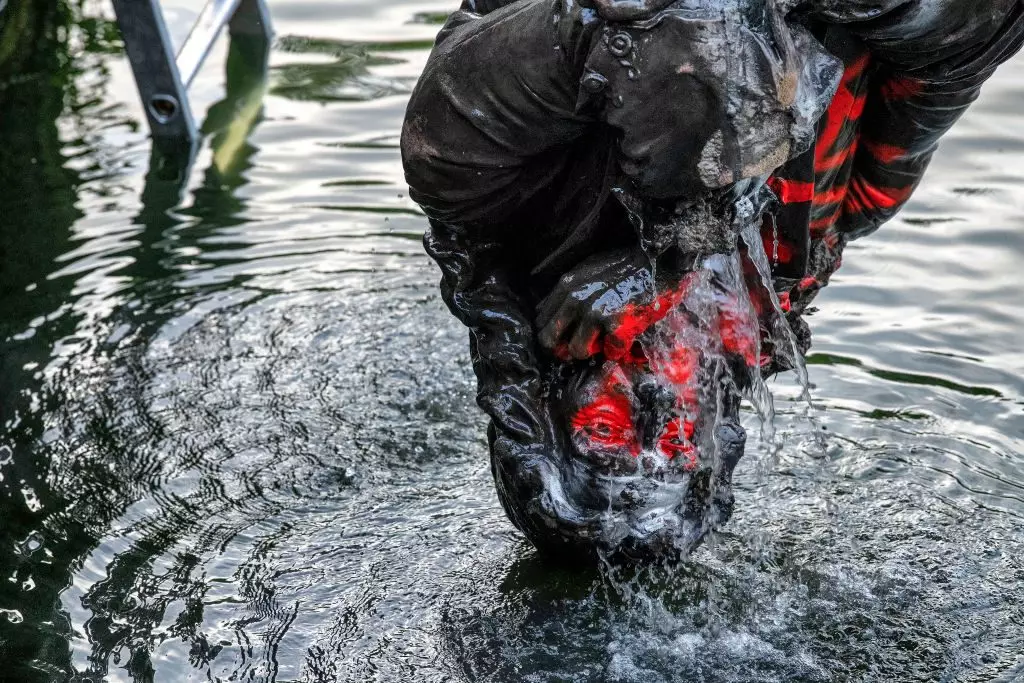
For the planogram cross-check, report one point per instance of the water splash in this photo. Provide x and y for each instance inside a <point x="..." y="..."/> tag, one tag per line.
<point x="700" y="227"/>
<point x="780" y="329"/>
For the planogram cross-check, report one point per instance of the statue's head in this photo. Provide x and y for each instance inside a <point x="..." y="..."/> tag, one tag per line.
<point x="647" y="436"/>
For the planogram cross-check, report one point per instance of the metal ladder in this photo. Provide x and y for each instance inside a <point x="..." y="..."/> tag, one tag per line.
<point x="162" y="78"/>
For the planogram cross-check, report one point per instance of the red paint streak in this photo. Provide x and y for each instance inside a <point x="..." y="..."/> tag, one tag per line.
<point x="845" y="111"/>
<point x="846" y="106"/>
<point x="681" y="367"/>
<point x="791" y="191"/>
<point x="864" y="196"/>
<point x="594" y="344"/>
<point x="607" y="422"/>
<point x="901" y="88"/>
<point x="734" y="329"/>
<point x="856" y="195"/>
<point x="785" y="302"/>
<point x="885" y="153"/>
<point x="820" y="225"/>
<point x="779" y="251"/>
<point x="833" y="196"/>
<point x="808" y="282"/>
<point x="637" y="319"/>
<point x="674" y="444"/>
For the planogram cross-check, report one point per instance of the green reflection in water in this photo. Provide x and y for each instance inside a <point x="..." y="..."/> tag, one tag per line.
<point x="436" y="18"/>
<point x="902" y="377"/>
<point x="386" y="210"/>
<point x="58" y="496"/>
<point x="42" y="51"/>
<point x="345" y="79"/>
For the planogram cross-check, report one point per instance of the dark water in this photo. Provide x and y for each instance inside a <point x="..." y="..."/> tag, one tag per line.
<point x="239" y="442"/>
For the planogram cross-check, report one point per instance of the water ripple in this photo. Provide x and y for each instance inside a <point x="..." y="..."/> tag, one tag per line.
<point x="240" y="441"/>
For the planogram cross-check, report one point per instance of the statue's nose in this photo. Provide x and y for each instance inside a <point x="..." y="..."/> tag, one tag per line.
<point x="654" y="411"/>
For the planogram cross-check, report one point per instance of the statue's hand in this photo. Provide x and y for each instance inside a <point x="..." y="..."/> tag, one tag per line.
<point x="627" y="10"/>
<point x="605" y="303"/>
<point x="589" y="301"/>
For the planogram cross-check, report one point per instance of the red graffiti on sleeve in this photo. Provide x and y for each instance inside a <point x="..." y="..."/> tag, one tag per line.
<point x="864" y="196"/>
<point x="846" y="106"/>
<point x="884" y="152"/>
<point x="791" y="191"/>
<point x="901" y="87"/>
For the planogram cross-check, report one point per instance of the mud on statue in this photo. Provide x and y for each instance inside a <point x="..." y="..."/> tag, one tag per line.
<point x="633" y="203"/>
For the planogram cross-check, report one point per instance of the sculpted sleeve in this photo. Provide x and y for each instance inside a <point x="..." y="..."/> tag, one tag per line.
<point x="705" y="94"/>
<point x="931" y="58"/>
<point x="496" y="101"/>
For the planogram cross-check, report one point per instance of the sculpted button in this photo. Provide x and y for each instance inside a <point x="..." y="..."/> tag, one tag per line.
<point x="594" y="82"/>
<point x="620" y="44"/>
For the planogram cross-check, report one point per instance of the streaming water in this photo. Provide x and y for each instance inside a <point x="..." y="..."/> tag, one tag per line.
<point x="238" y="438"/>
<point x="784" y="343"/>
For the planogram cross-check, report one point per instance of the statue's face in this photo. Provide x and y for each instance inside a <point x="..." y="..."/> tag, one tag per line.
<point x="643" y="410"/>
<point x="627" y="418"/>
<point x="649" y="426"/>
<point x="644" y="436"/>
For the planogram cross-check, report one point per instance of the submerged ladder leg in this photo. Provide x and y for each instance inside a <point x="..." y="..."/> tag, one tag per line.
<point x="162" y="78"/>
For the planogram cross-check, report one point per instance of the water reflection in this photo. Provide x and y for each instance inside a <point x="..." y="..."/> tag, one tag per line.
<point x="239" y="440"/>
<point x="347" y="76"/>
<point x="38" y="208"/>
<point x="65" y="276"/>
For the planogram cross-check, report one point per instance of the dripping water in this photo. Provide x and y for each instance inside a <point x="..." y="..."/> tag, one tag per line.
<point x="780" y="331"/>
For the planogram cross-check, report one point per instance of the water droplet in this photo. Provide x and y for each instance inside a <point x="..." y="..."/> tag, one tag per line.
<point x="32" y="501"/>
<point x="31" y="543"/>
<point x="13" y="615"/>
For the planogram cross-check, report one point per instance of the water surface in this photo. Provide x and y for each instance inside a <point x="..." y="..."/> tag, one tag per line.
<point x="238" y="438"/>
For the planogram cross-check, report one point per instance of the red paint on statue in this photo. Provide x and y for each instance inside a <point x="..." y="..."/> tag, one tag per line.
<point x="607" y="422"/>
<point x="678" y="443"/>
<point x="637" y="319"/>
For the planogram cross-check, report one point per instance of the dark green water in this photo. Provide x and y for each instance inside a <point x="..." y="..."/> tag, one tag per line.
<point x="238" y="440"/>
